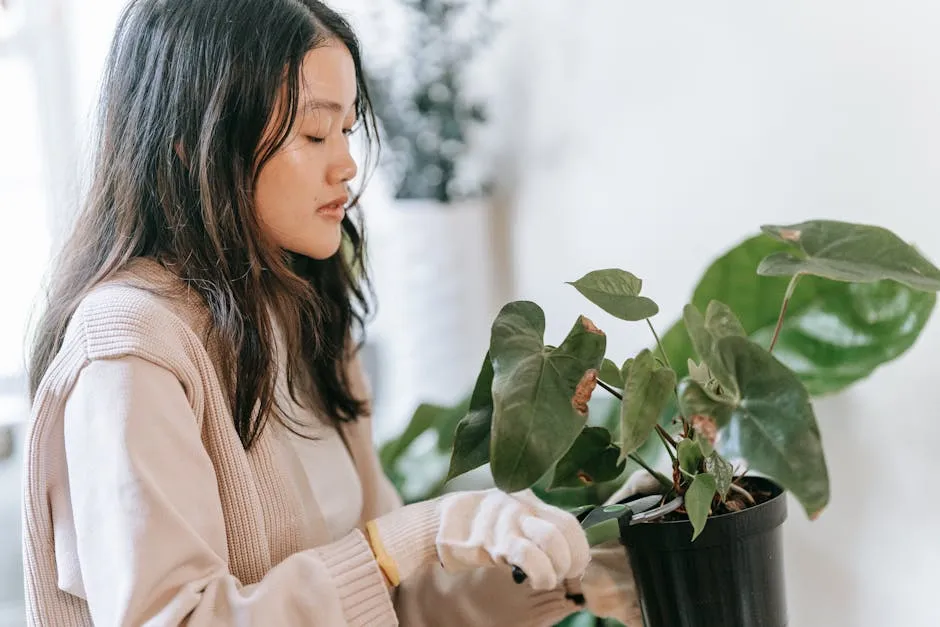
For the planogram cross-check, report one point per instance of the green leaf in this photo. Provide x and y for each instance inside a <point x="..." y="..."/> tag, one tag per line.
<point x="625" y="370"/>
<point x="611" y="374"/>
<point x="771" y="426"/>
<point x="426" y="417"/>
<point x="723" y="472"/>
<point x="698" y="501"/>
<point x="472" y="438"/>
<point x="617" y="292"/>
<point x="690" y="455"/>
<point x="721" y="322"/>
<point x="591" y="459"/>
<point x="849" y="334"/>
<point x="834" y="333"/>
<point x="705" y="343"/>
<point x="843" y="251"/>
<point x="539" y="394"/>
<point x="647" y="389"/>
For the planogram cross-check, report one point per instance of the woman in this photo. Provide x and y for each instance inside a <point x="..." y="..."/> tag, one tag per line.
<point x="200" y="450"/>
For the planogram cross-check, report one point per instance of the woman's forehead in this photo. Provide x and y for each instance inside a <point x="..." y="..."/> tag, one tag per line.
<point x="328" y="80"/>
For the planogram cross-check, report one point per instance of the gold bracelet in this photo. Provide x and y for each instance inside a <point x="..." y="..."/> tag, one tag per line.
<point x="386" y="563"/>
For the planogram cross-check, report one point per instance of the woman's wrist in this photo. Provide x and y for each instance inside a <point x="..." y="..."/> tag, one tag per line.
<point x="404" y="541"/>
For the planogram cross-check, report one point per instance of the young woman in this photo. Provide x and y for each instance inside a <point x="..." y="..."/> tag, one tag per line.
<point x="200" y="449"/>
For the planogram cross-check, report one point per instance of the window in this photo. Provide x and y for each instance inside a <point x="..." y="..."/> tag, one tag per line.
<point x="36" y="156"/>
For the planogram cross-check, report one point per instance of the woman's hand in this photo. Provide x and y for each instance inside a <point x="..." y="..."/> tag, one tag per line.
<point x="478" y="529"/>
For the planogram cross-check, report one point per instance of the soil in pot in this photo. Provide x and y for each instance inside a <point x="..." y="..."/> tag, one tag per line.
<point x="731" y="576"/>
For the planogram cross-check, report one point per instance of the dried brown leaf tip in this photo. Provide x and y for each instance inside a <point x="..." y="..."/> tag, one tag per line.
<point x="590" y="327"/>
<point x="582" y="393"/>
<point x="706" y="427"/>
<point x="585" y="478"/>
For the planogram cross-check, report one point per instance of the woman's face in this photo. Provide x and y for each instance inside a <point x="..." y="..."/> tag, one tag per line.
<point x="301" y="192"/>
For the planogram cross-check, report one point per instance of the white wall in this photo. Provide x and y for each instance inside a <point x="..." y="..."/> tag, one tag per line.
<point x="723" y="116"/>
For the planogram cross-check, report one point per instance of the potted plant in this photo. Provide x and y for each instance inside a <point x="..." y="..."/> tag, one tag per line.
<point x="725" y="394"/>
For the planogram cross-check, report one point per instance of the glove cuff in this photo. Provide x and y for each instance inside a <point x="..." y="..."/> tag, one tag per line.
<point x="403" y="540"/>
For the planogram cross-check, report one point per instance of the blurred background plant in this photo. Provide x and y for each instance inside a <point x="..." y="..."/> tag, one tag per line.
<point x="424" y="99"/>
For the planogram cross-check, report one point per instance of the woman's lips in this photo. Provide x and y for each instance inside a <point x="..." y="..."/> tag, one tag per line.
<point x="335" y="210"/>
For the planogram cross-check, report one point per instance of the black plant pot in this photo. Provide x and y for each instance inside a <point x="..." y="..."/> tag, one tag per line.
<point x="731" y="576"/>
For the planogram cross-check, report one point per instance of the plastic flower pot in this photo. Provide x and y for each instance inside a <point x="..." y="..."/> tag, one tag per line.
<point x="732" y="575"/>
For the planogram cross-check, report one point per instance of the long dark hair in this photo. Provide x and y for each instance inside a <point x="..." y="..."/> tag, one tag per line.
<point x="189" y="88"/>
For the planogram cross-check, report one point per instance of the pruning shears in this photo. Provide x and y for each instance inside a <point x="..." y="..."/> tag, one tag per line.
<point x="602" y="524"/>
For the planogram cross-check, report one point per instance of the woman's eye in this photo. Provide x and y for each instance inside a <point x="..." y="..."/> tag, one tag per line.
<point x="316" y="140"/>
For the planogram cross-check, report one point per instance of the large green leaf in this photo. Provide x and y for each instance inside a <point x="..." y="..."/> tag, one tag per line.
<point x="591" y="459"/>
<point x="843" y="251"/>
<point x="847" y="335"/>
<point x="834" y="333"/>
<point x="647" y="389"/>
<point x="540" y="394"/>
<point x="472" y="438"/>
<point x="698" y="501"/>
<point x="771" y="425"/>
<point x="617" y="292"/>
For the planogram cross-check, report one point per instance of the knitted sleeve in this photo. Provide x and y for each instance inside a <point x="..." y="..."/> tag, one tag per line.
<point x="144" y="539"/>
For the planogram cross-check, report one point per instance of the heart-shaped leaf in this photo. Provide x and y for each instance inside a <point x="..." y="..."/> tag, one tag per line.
<point x="834" y="333"/>
<point x="617" y="292"/>
<point x="591" y="459"/>
<point x="540" y="394"/>
<point x="647" y="389"/>
<point x="610" y="374"/>
<point x="771" y="426"/>
<point x="472" y="438"/>
<point x="843" y="251"/>
<point x="698" y="501"/>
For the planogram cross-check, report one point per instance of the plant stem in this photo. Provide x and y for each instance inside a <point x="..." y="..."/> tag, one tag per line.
<point x="662" y="350"/>
<point x="659" y="477"/>
<point x="665" y="436"/>
<point x="783" y="309"/>
<point x="610" y="389"/>
<point x="747" y="495"/>
<point x="665" y="442"/>
<point x="659" y="343"/>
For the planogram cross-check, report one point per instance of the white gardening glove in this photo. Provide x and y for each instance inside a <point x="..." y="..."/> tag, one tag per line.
<point x="640" y="482"/>
<point x="485" y="528"/>
<point x="491" y="528"/>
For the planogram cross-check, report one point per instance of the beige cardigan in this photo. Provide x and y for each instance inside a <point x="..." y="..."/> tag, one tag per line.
<point x="255" y="554"/>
